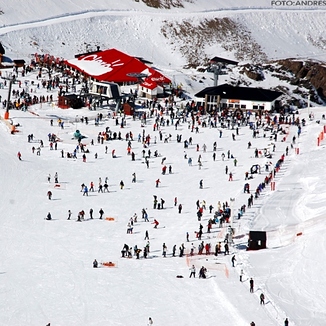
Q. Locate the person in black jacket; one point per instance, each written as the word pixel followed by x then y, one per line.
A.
pixel 101 212
pixel 251 282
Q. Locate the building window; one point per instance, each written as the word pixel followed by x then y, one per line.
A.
pixel 261 107
pixel 230 106
pixel 255 107
pixel 243 106
pixel 237 106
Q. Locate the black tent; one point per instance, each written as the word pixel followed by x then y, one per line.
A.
pixel 257 240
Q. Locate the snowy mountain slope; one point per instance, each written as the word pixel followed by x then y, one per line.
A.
pixel 256 34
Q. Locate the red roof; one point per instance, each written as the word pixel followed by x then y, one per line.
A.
pixel 114 66
pixel 149 84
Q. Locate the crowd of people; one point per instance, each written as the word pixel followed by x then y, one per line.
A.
pixel 165 116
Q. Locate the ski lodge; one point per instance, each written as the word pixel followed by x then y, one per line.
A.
pixel 115 67
pixel 234 98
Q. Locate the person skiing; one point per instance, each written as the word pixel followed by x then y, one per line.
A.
pixel 157 182
pixel 101 212
pixel 156 223
pixel 201 184
pixel 49 217
pixel 150 321
pixel 91 213
pixel 69 214
pixel 180 208
pixel 85 191
pixel 19 155
pixel 286 322
pixel 95 263
pixel 193 271
pixel 262 299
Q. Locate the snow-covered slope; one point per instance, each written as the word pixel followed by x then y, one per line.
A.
pixel 65 29
pixel 46 266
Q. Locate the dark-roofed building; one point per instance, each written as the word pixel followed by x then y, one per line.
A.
pixel 234 97
pixel 223 60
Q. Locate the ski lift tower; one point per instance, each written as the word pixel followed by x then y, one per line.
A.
pixel 11 79
pixel 216 64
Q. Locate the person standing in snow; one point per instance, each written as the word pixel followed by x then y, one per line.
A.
pixel 121 184
pixel 56 178
pixel 233 260
pixel 91 213
pixel 49 217
pixel 101 212
pixel 162 203
pixel 49 195
pixel 146 235
pixel 193 271
pixel 286 322
pixel 241 275
pixel 69 214
pixel 251 282
pixel 19 155
pixel 150 321
pixel 202 272
pixel 164 250
pixel 95 263
pixel 262 299
pixel 226 249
